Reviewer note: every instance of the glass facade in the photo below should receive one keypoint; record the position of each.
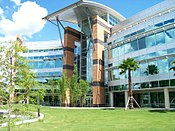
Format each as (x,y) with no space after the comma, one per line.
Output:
(47,63)
(86,51)
(160,59)
(152,23)
(153,48)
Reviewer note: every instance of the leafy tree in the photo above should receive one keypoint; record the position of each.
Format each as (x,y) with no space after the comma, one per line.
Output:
(74,87)
(151,70)
(84,87)
(15,72)
(62,86)
(173,66)
(8,57)
(53,86)
(128,66)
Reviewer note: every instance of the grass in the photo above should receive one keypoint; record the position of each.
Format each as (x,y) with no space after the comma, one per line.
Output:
(102,120)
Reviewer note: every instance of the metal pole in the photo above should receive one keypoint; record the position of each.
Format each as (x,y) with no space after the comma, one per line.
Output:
(59,32)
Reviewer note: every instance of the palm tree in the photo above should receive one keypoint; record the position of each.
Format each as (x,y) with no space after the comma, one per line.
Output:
(173,66)
(129,65)
(151,70)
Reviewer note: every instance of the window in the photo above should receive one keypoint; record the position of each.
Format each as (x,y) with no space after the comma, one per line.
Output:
(115,52)
(134,45)
(161,53)
(115,74)
(121,50)
(58,63)
(159,24)
(136,73)
(151,55)
(172,82)
(30,51)
(163,66)
(40,65)
(127,48)
(141,43)
(169,21)
(154,84)
(145,85)
(170,35)
(164,83)
(150,41)
(143,68)
(160,38)
(170,60)
(136,86)
(171,51)
(122,76)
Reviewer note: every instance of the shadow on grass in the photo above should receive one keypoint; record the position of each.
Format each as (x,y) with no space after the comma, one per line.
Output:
(108,108)
(161,111)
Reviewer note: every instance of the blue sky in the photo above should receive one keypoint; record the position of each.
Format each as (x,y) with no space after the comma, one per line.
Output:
(23,17)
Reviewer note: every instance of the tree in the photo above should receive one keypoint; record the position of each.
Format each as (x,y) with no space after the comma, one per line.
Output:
(74,87)
(84,87)
(15,73)
(62,86)
(128,66)
(173,66)
(53,86)
(151,70)
(8,56)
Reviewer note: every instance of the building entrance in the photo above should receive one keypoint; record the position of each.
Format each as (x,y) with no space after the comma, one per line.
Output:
(119,99)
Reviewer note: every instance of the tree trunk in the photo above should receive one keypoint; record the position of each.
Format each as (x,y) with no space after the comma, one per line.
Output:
(130,90)
(9,114)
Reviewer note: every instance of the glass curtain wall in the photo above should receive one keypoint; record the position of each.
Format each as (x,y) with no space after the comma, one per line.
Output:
(86,54)
(155,63)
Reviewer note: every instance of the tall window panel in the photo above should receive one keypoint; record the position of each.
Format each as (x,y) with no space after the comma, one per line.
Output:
(150,41)
(163,66)
(160,38)
(170,35)
(141,43)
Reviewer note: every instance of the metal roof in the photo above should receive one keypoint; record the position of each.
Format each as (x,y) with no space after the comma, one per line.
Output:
(80,10)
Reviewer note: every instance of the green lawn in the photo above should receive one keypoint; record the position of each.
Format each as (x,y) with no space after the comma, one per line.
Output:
(102,120)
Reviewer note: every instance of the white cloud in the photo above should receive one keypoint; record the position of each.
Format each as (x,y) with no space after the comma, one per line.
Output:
(1,11)
(17,2)
(26,21)
(8,38)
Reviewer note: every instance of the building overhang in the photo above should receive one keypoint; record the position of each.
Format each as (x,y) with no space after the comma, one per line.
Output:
(79,11)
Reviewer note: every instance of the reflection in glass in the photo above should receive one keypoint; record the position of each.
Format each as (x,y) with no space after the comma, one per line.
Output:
(141,43)
(151,70)
(163,66)
(160,38)
(170,35)
(150,41)
(164,83)
(154,84)
(121,50)
(143,67)
(134,46)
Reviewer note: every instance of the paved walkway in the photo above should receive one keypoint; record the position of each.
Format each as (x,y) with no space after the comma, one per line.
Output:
(25,121)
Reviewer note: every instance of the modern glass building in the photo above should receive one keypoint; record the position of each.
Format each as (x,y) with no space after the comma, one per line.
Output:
(149,38)
(45,59)
(105,38)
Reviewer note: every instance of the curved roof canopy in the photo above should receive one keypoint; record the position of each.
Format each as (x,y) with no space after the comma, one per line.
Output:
(80,10)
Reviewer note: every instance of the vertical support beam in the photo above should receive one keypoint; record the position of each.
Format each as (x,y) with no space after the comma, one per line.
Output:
(126,97)
(100,27)
(111,95)
(166,97)
(70,36)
